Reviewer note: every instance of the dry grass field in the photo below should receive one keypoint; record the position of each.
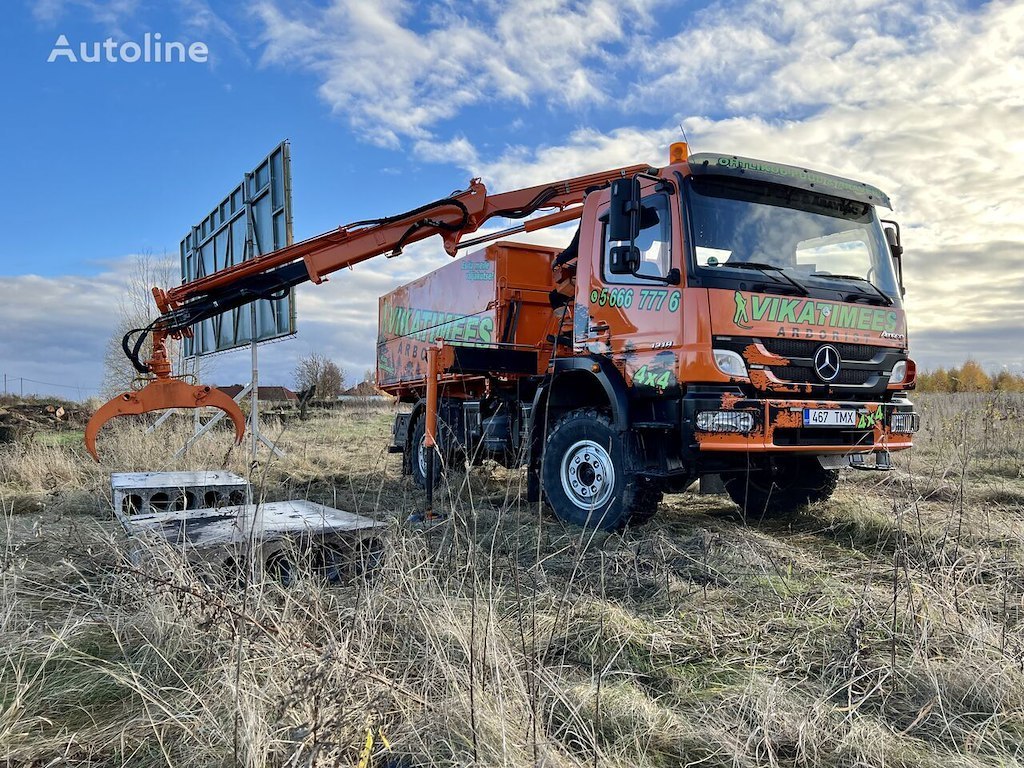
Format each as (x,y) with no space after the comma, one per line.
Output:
(883,628)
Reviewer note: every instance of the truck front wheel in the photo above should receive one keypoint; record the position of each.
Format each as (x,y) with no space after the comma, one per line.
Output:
(586,478)
(789,484)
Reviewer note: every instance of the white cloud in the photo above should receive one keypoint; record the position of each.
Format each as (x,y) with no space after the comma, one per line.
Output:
(772,58)
(585,151)
(930,113)
(458,151)
(201,18)
(58,326)
(389,81)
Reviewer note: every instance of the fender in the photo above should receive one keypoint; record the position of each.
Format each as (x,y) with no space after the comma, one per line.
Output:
(606,376)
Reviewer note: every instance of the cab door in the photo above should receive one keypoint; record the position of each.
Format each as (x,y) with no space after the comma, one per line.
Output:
(637,319)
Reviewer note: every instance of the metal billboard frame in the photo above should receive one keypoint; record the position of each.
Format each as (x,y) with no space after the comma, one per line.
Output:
(237,219)
(255,218)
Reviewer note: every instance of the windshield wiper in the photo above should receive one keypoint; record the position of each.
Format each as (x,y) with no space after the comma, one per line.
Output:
(766,268)
(856,278)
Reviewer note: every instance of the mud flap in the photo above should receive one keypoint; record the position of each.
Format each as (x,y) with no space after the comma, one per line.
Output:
(711,485)
(876,461)
(835,460)
(882,461)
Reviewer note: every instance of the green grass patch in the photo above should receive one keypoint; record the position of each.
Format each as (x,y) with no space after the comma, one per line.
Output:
(70,438)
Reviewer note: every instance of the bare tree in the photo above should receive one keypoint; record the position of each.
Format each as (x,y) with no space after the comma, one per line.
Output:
(320,372)
(136,310)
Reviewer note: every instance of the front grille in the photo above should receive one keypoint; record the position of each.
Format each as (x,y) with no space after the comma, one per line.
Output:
(863,367)
(802,375)
(790,348)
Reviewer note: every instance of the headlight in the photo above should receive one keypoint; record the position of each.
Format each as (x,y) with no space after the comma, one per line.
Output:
(899,373)
(729,362)
(725,421)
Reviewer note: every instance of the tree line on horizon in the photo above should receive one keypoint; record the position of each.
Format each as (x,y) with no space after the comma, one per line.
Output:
(969,377)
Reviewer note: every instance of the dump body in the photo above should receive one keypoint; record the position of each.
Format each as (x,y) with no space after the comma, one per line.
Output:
(496,298)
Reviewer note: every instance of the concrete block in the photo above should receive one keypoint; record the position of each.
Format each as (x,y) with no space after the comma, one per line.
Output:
(136,493)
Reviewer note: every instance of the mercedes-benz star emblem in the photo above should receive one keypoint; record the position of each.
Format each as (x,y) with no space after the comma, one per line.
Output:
(826,362)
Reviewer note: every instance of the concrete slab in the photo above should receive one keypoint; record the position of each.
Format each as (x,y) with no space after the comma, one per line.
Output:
(236,524)
(277,535)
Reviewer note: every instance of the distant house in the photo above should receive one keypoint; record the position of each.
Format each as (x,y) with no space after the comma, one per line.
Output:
(362,389)
(365,392)
(270,395)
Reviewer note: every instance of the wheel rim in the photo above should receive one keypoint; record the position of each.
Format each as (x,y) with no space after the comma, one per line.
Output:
(588,474)
(421,457)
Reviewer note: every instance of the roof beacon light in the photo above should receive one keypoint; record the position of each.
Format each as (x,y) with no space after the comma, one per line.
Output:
(678,152)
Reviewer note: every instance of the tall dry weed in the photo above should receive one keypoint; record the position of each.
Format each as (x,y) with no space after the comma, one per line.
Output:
(880,628)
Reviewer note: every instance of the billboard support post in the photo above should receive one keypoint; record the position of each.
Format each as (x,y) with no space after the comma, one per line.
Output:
(252,250)
(254,407)
(255,434)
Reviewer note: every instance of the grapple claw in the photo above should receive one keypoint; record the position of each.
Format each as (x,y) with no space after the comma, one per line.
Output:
(161,394)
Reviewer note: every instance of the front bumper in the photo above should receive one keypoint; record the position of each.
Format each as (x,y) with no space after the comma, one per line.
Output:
(778,426)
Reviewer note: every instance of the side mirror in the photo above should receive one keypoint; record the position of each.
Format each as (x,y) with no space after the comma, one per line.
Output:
(892,236)
(623,259)
(624,212)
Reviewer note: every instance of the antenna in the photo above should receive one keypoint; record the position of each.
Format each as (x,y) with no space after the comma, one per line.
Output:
(683,131)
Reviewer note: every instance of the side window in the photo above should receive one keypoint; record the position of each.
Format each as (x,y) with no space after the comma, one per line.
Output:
(654,242)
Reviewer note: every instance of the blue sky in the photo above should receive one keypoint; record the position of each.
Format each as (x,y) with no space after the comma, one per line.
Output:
(390,104)
(127,156)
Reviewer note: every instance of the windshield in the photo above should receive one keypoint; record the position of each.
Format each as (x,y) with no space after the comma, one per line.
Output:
(823,243)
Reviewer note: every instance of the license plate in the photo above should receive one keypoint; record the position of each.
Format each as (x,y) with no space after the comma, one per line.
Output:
(830,417)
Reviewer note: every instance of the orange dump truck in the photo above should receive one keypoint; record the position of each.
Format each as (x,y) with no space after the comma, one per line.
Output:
(721,319)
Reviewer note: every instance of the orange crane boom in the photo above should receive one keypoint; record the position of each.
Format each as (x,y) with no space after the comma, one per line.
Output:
(272,275)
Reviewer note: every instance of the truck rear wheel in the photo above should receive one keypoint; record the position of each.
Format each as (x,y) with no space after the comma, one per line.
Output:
(418,454)
(585,475)
(790,483)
